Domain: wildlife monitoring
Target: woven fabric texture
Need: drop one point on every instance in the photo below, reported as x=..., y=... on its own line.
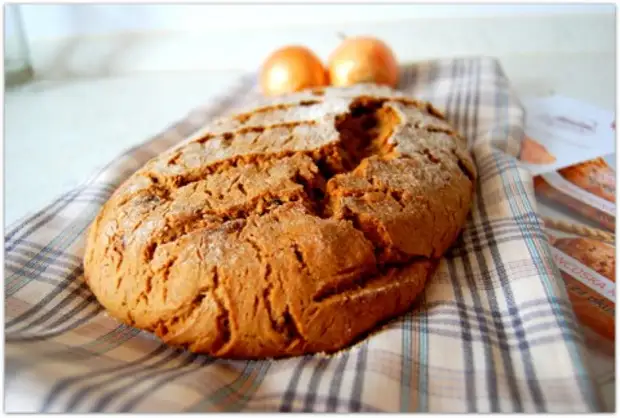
x=493, y=331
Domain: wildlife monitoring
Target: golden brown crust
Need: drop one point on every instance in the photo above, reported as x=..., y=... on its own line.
x=292, y=229
x=594, y=176
x=595, y=254
x=534, y=152
x=593, y=309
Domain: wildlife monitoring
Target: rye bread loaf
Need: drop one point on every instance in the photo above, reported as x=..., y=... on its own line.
x=295, y=227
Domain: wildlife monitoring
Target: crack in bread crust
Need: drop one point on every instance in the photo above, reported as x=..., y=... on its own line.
x=368, y=187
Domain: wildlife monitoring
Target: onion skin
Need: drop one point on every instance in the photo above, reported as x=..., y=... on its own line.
x=290, y=69
x=363, y=59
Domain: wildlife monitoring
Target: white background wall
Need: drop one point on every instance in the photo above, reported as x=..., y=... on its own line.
x=44, y=21
x=75, y=40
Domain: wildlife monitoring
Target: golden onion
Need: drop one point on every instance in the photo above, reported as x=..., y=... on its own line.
x=363, y=59
x=291, y=69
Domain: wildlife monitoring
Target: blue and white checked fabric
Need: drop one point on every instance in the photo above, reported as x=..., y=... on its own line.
x=494, y=330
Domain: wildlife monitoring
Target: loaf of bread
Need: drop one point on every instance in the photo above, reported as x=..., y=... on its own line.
x=592, y=253
x=594, y=177
x=296, y=227
x=592, y=305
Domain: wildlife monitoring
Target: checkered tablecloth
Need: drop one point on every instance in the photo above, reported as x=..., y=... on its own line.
x=493, y=331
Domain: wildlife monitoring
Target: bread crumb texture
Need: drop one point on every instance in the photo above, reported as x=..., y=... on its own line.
x=293, y=228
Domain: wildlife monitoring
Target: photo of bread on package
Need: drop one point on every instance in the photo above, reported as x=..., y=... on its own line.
x=588, y=267
x=533, y=152
x=587, y=189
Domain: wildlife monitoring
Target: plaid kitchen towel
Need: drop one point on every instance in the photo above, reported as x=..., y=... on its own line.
x=494, y=330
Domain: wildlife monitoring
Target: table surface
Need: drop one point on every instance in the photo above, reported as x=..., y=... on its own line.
x=59, y=132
